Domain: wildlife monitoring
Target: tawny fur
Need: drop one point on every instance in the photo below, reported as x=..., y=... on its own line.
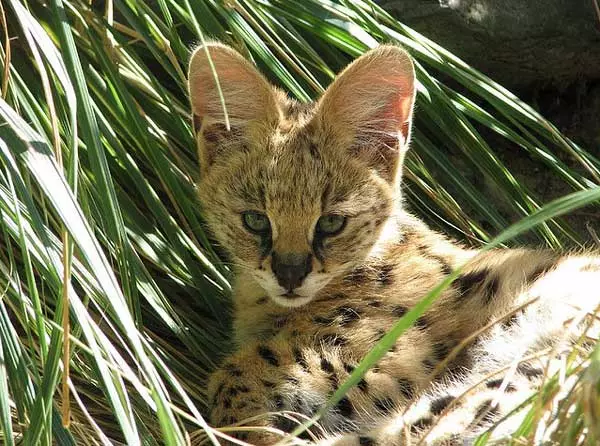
x=343, y=155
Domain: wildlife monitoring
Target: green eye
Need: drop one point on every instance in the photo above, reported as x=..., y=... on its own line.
x=256, y=222
x=331, y=224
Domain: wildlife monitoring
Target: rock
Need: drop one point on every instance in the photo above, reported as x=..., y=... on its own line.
x=516, y=42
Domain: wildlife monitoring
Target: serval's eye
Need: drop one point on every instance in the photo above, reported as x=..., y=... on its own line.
x=331, y=224
x=256, y=222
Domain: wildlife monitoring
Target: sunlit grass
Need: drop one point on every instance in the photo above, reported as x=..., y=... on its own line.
x=95, y=140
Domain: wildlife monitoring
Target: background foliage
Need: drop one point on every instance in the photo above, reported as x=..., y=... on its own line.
x=97, y=167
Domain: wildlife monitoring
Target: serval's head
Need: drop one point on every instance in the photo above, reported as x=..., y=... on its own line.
x=299, y=193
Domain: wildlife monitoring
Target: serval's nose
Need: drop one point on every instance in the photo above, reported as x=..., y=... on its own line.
x=291, y=269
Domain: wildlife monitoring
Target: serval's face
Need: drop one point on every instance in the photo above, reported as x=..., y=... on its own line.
x=299, y=194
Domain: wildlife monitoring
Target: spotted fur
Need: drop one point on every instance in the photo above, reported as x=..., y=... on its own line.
x=343, y=155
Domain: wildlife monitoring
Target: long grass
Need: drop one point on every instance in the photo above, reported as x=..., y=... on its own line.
x=102, y=241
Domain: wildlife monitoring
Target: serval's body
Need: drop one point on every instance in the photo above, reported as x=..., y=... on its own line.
x=306, y=199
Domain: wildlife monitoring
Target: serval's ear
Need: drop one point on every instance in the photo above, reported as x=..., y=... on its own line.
x=249, y=101
x=368, y=108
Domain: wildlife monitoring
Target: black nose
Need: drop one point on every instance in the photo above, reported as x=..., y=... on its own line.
x=291, y=269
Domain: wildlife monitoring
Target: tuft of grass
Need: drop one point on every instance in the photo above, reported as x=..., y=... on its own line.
x=101, y=234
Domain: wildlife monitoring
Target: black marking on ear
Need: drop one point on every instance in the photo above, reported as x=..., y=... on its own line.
x=268, y=355
x=384, y=405
x=406, y=387
x=421, y=424
x=384, y=274
x=529, y=371
x=299, y=358
x=486, y=413
x=366, y=441
x=496, y=383
x=438, y=405
x=345, y=407
x=327, y=366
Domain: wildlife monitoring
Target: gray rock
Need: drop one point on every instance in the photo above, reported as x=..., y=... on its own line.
x=517, y=42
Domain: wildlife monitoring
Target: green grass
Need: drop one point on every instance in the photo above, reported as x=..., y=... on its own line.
x=97, y=172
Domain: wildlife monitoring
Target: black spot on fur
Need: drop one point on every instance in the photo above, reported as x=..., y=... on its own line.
x=326, y=366
x=384, y=274
x=466, y=283
x=292, y=380
x=366, y=441
x=241, y=405
x=428, y=365
x=363, y=385
x=379, y=334
x=348, y=368
x=441, y=350
x=422, y=323
x=344, y=407
x=384, y=405
x=268, y=355
x=486, y=413
x=335, y=340
x=300, y=359
x=510, y=321
x=357, y=276
x=322, y=320
x=227, y=403
x=490, y=290
x=421, y=424
x=314, y=150
x=438, y=406
x=347, y=315
x=540, y=271
x=444, y=265
x=406, y=387
x=280, y=321
x=233, y=370
x=496, y=383
x=278, y=400
x=268, y=384
x=529, y=371
x=262, y=300
x=399, y=311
